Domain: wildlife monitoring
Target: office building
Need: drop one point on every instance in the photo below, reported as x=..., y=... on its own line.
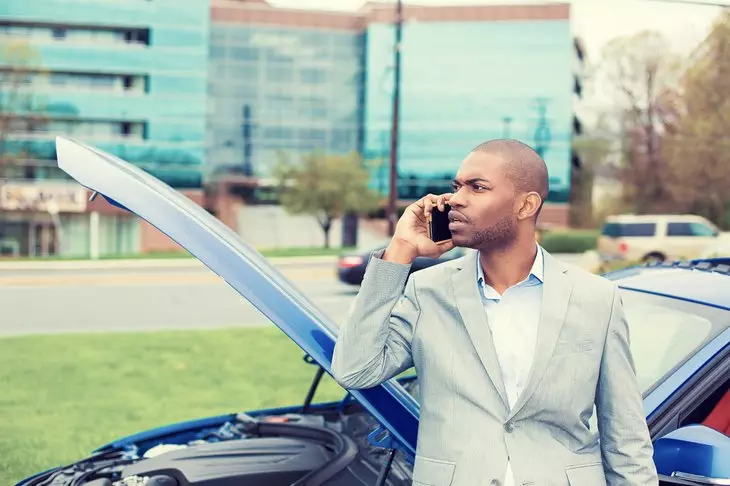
x=292, y=81
x=282, y=81
x=128, y=77
x=471, y=74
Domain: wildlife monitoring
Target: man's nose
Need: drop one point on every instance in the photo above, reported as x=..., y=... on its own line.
x=458, y=199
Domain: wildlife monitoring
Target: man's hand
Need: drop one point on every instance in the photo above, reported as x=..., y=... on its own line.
x=411, y=233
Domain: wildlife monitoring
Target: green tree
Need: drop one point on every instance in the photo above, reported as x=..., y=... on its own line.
x=326, y=187
x=697, y=144
x=21, y=108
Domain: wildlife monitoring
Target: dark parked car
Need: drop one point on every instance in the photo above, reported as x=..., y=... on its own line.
x=351, y=266
x=679, y=316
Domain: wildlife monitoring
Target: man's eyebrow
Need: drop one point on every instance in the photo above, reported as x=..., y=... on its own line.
x=472, y=180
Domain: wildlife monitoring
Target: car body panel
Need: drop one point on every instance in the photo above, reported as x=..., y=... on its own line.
x=689, y=284
x=697, y=450
x=238, y=264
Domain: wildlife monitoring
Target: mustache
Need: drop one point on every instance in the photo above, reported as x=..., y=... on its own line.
x=457, y=216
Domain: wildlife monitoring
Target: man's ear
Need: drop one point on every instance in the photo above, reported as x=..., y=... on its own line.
x=531, y=203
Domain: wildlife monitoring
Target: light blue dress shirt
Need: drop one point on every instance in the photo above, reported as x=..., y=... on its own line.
x=513, y=319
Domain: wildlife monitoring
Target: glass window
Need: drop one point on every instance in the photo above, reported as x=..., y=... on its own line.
x=276, y=133
x=666, y=332
x=312, y=134
x=244, y=53
x=689, y=229
x=313, y=75
x=314, y=108
x=679, y=229
x=279, y=101
x=617, y=230
x=217, y=52
x=279, y=74
x=246, y=72
x=699, y=229
x=101, y=81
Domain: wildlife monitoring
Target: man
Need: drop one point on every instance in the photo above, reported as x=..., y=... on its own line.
x=512, y=348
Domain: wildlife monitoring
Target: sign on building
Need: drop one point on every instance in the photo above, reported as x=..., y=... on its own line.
x=64, y=198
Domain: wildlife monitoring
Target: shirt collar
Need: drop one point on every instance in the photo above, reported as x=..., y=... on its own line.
x=537, y=271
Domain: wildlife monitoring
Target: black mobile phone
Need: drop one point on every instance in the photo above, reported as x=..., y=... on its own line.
x=438, y=224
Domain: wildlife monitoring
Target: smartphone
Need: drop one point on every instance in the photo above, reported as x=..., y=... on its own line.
x=438, y=224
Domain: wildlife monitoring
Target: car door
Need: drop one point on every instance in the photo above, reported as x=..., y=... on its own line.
x=688, y=239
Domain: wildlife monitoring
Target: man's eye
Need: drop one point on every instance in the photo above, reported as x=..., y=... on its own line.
x=478, y=187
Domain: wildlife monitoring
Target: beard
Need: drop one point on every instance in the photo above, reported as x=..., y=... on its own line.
x=498, y=236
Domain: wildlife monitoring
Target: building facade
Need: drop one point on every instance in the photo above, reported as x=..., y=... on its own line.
x=292, y=81
x=282, y=82
x=471, y=74
x=128, y=77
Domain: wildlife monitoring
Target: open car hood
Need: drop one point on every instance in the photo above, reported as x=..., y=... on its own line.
x=237, y=263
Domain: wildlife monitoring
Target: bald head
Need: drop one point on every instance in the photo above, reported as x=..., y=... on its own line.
x=525, y=167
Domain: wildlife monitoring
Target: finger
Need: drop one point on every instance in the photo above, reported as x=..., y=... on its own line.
x=428, y=205
x=446, y=245
x=443, y=200
x=440, y=203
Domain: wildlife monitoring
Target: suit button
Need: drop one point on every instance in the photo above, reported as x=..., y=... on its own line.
x=508, y=427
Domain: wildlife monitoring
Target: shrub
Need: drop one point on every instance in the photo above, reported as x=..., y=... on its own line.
x=569, y=241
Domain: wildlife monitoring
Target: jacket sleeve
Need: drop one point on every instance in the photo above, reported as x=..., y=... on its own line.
x=626, y=446
x=374, y=345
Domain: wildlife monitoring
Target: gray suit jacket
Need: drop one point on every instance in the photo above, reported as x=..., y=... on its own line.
x=435, y=320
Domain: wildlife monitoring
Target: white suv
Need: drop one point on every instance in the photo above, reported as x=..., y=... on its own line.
x=656, y=237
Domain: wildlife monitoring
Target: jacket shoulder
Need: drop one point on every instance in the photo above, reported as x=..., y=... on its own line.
x=589, y=284
x=435, y=273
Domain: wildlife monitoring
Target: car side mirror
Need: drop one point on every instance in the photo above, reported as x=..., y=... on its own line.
x=694, y=454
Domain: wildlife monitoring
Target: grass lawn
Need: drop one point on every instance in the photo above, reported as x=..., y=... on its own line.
x=64, y=395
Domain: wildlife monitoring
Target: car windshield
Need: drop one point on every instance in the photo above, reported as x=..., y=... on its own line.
x=666, y=332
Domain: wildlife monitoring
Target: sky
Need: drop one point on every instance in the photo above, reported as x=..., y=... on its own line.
x=595, y=21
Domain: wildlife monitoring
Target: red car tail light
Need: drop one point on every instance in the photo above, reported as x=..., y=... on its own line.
x=349, y=261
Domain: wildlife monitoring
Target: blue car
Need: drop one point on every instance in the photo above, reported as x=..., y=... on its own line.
x=679, y=316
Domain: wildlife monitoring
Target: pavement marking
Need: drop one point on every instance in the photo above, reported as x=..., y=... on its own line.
x=148, y=279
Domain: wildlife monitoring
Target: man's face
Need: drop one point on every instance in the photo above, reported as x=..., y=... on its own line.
x=484, y=213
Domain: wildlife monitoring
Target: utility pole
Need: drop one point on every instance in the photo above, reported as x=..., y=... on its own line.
x=247, y=144
x=393, y=193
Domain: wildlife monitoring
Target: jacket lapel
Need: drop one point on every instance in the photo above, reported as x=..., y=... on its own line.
x=474, y=317
x=556, y=291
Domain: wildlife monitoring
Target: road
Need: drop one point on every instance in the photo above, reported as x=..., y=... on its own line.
x=61, y=300
x=134, y=296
